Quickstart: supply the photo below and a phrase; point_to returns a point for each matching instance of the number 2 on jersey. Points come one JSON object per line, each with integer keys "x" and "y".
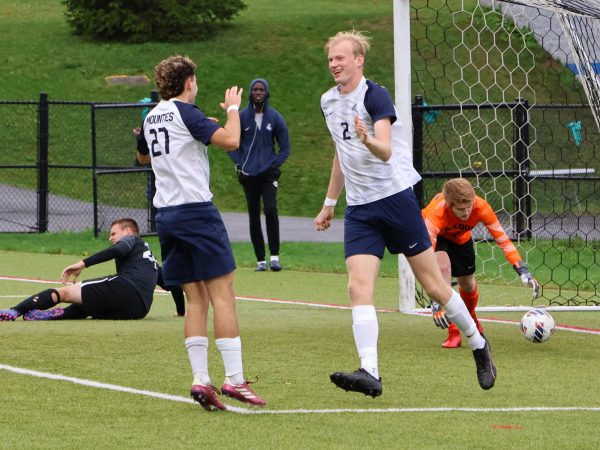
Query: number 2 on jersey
{"x": 154, "y": 143}
{"x": 345, "y": 133}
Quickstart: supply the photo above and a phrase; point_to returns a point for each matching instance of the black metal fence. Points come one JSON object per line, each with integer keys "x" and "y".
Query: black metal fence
{"x": 57, "y": 165}
{"x": 121, "y": 187}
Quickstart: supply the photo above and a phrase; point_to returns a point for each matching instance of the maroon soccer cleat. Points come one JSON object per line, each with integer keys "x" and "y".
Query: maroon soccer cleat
{"x": 207, "y": 397}
{"x": 242, "y": 392}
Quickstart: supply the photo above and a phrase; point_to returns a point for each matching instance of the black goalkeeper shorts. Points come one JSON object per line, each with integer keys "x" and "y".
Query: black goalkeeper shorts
{"x": 462, "y": 257}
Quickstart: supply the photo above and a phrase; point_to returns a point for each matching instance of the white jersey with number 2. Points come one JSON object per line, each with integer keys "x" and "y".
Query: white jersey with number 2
{"x": 366, "y": 177}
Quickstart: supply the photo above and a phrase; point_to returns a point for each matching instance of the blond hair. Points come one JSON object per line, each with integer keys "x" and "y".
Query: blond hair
{"x": 457, "y": 191}
{"x": 171, "y": 74}
{"x": 358, "y": 39}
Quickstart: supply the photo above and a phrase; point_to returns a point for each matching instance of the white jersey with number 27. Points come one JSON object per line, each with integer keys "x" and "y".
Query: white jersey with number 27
{"x": 176, "y": 137}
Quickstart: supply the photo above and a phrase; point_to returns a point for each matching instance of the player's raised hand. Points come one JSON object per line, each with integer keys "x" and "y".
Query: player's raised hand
{"x": 233, "y": 96}
{"x": 361, "y": 130}
{"x": 72, "y": 271}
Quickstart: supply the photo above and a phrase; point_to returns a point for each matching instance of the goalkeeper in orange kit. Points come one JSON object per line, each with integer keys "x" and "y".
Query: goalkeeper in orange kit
{"x": 450, "y": 217}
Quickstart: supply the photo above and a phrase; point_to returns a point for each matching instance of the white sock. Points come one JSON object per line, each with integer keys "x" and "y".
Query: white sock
{"x": 197, "y": 348}
{"x": 274, "y": 257}
{"x": 366, "y": 331}
{"x": 231, "y": 352}
{"x": 459, "y": 314}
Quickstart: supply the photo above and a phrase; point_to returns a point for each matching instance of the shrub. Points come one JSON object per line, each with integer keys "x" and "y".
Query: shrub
{"x": 149, "y": 20}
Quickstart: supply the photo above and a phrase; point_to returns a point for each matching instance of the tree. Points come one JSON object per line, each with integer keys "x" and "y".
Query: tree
{"x": 149, "y": 20}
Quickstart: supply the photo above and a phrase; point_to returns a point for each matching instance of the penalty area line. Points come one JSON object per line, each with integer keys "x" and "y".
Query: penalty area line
{"x": 176, "y": 398}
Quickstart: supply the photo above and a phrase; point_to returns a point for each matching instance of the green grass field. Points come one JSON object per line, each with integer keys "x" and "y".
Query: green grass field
{"x": 546, "y": 395}
{"x": 543, "y": 397}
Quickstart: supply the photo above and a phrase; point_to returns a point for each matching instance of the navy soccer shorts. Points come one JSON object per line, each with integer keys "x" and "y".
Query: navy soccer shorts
{"x": 194, "y": 243}
{"x": 394, "y": 222}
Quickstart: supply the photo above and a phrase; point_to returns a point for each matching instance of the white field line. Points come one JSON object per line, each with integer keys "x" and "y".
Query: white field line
{"x": 573, "y": 329}
{"x": 235, "y": 409}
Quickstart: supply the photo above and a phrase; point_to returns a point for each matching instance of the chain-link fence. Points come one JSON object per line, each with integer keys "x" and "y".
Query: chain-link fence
{"x": 58, "y": 165}
{"x": 500, "y": 104}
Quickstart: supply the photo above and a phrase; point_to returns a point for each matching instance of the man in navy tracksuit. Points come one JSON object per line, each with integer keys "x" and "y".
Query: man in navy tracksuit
{"x": 258, "y": 165}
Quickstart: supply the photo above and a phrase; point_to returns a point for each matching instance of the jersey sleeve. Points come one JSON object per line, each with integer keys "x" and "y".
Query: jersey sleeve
{"x": 378, "y": 103}
{"x": 118, "y": 250}
{"x": 200, "y": 127}
{"x": 491, "y": 222}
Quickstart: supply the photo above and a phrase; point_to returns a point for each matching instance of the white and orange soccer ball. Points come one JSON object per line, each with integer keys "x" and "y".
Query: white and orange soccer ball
{"x": 537, "y": 325}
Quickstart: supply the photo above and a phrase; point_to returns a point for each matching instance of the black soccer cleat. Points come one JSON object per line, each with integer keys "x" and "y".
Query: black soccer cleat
{"x": 358, "y": 381}
{"x": 486, "y": 369}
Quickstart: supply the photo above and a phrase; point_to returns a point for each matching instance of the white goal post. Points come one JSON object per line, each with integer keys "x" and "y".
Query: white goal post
{"x": 580, "y": 22}
{"x": 402, "y": 77}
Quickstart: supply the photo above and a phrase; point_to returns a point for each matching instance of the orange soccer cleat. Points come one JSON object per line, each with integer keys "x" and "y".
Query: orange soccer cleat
{"x": 454, "y": 339}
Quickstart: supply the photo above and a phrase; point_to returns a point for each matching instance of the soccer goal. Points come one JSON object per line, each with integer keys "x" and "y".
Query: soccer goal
{"x": 507, "y": 94}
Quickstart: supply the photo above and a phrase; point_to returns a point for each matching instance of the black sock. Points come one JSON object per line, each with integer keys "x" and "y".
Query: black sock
{"x": 41, "y": 300}
{"x": 179, "y": 299}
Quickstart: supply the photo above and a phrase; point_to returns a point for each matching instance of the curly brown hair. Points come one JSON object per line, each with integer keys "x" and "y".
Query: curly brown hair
{"x": 171, "y": 74}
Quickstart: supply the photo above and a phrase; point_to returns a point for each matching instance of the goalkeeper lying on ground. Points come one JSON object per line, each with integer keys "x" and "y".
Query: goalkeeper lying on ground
{"x": 126, "y": 295}
{"x": 450, "y": 217}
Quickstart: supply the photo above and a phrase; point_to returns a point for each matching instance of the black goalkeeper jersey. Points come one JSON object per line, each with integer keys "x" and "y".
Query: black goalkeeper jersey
{"x": 135, "y": 264}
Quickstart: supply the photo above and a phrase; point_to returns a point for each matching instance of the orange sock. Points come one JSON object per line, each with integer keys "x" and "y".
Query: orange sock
{"x": 471, "y": 299}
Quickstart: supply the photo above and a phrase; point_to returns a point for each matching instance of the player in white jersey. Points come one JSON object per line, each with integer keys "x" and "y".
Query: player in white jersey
{"x": 195, "y": 247}
{"x": 372, "y": 162}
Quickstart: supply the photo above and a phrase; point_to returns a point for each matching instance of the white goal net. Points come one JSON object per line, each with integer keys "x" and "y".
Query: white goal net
{"x": 508, "y": 96}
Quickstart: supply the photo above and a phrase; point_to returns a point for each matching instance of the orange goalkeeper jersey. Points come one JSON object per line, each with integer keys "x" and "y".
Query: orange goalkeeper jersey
{"x": 441, "y": 222}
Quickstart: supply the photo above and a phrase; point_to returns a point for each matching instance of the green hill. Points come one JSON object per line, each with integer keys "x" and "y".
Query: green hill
{"x": 281, "y": 41}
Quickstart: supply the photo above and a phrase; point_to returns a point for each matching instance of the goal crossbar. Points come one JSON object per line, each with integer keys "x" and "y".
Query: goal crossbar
{"x": 590, "y": 8}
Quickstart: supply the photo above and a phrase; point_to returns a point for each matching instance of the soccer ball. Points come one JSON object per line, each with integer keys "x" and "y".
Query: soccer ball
{"x": 537, "y": 325}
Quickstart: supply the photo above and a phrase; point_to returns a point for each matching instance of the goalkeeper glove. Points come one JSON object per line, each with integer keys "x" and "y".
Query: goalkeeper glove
{"x": 439, "y": 316}
{"x": 527, "y": 278}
